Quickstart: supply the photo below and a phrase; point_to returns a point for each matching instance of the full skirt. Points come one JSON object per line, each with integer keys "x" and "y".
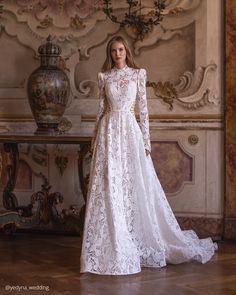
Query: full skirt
{"x": 129, "y": 222}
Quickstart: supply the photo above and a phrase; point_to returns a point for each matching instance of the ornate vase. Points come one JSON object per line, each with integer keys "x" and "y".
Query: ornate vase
{"x": 48, "y": 89}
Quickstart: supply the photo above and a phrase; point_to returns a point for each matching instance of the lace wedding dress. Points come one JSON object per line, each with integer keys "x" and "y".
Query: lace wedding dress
{"x": 129, "y": 222}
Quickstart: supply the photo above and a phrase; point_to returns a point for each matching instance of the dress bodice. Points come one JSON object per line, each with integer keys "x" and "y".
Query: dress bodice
{"x": 121, "y": 88}
{"x": 119, "y": 91}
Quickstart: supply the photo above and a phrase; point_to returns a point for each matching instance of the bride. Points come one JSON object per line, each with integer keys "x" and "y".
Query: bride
{"x": 129, "y": 223}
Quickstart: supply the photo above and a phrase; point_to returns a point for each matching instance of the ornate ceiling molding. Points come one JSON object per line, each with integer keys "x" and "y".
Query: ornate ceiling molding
{"x": 75, "y": 21}
{"x": 33, "y": 20}
{"x": 57, "y": 14}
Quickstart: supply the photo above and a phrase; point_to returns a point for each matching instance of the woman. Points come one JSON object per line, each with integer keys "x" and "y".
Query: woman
{"x": 129, "y": 222}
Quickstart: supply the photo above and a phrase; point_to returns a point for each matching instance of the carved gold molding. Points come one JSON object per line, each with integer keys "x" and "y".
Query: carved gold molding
{"x": 191, "y": 92}
{"x": 193, "y": 139}
{"x": 60, "y": 14}
{"x": 68, "y": 21}
{"x": 179, "y": 6}
{"x": 165, "y": 91}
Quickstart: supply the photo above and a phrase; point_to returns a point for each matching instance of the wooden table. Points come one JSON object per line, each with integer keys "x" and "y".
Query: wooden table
{"x": 22, "y": 216}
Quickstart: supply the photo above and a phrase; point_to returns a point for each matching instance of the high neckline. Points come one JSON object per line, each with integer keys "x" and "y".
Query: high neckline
{"x": 120, "y": 69}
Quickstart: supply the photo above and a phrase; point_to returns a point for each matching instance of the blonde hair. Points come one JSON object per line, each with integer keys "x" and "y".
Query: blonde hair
{"x": 109, "y": 63}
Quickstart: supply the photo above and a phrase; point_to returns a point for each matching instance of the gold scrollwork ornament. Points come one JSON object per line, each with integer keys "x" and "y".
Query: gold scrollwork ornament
{"x": 193, "y": 139}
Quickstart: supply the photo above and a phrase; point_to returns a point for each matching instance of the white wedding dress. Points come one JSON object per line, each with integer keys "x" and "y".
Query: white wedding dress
{"x": 128, "y": 220}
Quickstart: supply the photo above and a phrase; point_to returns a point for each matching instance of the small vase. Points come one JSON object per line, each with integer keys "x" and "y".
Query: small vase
{"x": 48, "y": 89}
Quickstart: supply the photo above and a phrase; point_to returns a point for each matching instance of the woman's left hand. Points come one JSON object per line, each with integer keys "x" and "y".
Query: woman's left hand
{"x": 147, "y": 152}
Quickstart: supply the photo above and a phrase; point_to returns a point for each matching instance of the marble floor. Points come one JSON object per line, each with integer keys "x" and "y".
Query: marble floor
{"x": 49, "y": 264}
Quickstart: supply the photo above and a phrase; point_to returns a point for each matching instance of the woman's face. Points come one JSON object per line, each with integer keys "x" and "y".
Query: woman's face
{"x": 118, "y": 54}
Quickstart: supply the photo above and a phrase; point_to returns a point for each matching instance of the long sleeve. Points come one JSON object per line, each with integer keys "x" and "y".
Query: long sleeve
{"x": 101, "y": 107}
{"x": 143, "y": 110}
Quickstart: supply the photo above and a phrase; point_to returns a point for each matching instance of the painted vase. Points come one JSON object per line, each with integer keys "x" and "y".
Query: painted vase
{"x": 48, "y": 89}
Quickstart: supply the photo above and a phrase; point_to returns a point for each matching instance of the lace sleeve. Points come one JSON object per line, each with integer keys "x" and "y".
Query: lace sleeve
{"x": 101, "y": 107}
{"x": 143, "y": 110}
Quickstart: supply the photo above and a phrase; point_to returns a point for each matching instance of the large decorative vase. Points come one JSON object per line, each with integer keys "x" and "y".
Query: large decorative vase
{"x": 48, "y": 89}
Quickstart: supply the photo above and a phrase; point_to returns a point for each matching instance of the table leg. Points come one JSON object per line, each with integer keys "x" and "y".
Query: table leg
{"x": 83, "y": 180}
{"x": 9, "y": 199}
{"x": 84, "y": 148}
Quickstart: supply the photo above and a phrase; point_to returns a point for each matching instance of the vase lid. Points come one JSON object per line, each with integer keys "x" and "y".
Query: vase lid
{"x": 49, "y": 48}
